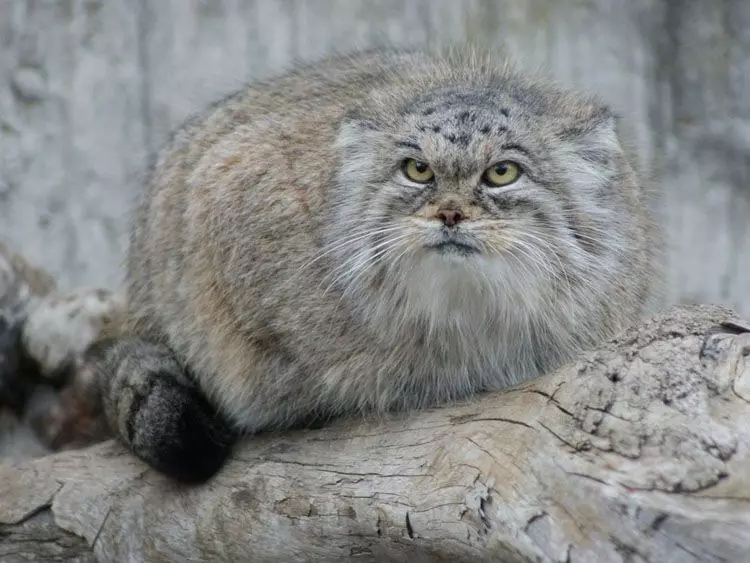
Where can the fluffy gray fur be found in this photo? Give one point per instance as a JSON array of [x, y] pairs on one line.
[[283, 260]]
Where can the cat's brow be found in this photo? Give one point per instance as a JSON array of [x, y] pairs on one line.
[[516, 147], [409, 144]]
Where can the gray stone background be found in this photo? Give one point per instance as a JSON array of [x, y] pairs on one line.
[[89, 89]]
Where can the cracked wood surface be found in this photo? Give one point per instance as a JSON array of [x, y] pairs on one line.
[[638, 451]]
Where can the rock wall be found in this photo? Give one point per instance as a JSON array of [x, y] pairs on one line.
[[90, 88]]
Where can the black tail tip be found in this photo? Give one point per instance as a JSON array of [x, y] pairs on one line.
[[194, 459], [180, 434]]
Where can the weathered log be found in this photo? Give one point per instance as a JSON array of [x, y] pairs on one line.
[[636, 452]]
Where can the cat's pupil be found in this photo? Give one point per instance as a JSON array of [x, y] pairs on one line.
[[501, 169], [421, 167]]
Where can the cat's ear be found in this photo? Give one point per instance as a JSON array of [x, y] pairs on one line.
[[594, 136], [592, 153]]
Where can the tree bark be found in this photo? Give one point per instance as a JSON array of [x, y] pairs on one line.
[[637, 451]]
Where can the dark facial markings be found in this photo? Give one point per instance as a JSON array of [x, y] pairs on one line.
[[409, 145], [411, 199], [516, 147], [506, 204], [453, 247], [576, 226], [467, 117], [459, 130], [463, 114]]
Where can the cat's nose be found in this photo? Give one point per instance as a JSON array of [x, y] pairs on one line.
[[450, 216]]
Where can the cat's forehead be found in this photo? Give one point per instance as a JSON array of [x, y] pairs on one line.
[[452, 104], [458, 127], [460, 115], [497, 100], [458, 119]]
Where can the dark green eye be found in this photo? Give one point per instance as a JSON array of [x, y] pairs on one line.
[[418, 171], [502, 174]]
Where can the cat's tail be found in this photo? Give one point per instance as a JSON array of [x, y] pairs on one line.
[[153, 406]]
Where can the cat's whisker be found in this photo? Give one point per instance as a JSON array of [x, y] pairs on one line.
[[364, 251], [357, 255], [350, 240], [358, 265]]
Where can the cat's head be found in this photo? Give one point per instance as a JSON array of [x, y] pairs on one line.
[[461, 189]]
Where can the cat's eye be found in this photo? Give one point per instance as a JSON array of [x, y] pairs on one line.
[[417, 171], [502, 174]]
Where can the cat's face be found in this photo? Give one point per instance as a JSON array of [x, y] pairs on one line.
[[478, 190]]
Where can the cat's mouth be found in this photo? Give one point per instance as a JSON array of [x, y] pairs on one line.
[[450, 246]]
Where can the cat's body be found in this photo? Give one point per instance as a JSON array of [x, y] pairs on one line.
[[283, 254]]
